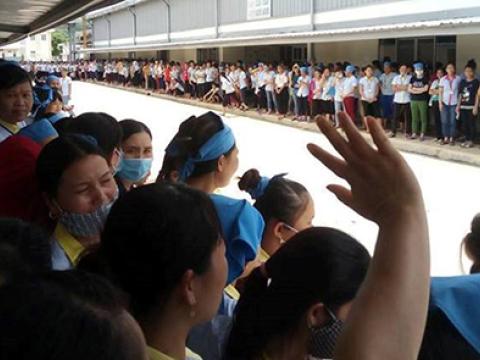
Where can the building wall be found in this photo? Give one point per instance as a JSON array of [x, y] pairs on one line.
[[100, 26], [468, 47], [151, 18], [192, 14], [357, 52], [327, 5], [183, 55], [232, 54]]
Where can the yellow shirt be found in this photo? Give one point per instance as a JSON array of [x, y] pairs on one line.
[[72, 247], [263, 256], [13, 128], [232, 292], [154, 354]]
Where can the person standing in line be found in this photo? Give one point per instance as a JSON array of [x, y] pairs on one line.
[[281, 90], [269, 90], [339, 80], [434, 104], [327, 106], [418, 90], [468, 104], [66, 86], [243, 86], [369, 91], [386, 98], [448, 103], [302, 93], [192, 79], [293, 87], [401, 102], [200, 76], [209, 76], [260, 90], [349, 98], [316, 84]]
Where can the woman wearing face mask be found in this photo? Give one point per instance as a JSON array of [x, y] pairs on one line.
[[16, 99], [418, 89], [175, 270], [137, 155], [78, 185], [316, 275], [286, 207]]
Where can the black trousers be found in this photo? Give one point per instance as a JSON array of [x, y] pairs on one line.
[[436, 116], [402, 113], [282, 101]]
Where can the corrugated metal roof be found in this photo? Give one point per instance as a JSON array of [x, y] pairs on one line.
[[305, 36], [21, 17]]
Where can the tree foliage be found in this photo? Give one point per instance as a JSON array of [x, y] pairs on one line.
[[59, 36]]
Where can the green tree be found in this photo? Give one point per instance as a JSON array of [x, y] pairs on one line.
[[59, 36]]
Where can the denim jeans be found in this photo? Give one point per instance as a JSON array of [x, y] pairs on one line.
[[294, 100], [271, 101], [338, 107], [448, 120]]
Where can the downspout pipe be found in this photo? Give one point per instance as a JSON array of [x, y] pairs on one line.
[[131, 9], [169, 22], [312, 15], [109, 27]]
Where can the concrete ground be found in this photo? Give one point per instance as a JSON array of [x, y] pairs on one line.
[[451, 188]]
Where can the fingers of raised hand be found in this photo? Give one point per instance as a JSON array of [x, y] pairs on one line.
[[338, 142], [343, 194], [357, 143], [380, 139], [336, 165]]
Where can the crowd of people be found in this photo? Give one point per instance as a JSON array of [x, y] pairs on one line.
[[97, 263], [421, 98]]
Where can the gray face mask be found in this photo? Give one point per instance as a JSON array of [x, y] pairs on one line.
[[324, 339], [86, 225]]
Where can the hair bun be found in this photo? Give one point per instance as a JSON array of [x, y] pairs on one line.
[[249, 180]]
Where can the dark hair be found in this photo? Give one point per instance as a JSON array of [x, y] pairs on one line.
[[65, 315], [24, 249], [471, 244], [56, 95], [131, 127], [471, 64], [58, 155], [442, 341], [153, 235], [317, 265], [191, 135], [367, 67], [283, 199], [103, 127], [12, 75]]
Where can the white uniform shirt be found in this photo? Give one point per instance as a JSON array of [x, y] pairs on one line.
[[242, 79], [349, 85], [402, 97], [227, 84], [339, 88], [65, 83], [327, 89], [281, 80], [450, 89], [269, 80], [304, 86], [369, 87]]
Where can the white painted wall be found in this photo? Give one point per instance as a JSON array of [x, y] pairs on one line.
[[468, 47], [357, 52]]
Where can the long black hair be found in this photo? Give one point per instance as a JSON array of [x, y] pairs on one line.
[[153, 235], [471, 244], [131, 127], [191, 135], [317, 265]]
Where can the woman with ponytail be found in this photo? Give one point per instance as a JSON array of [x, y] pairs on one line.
[[286, 207], [315, 276]]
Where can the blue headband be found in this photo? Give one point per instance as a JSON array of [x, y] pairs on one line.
[[262, 185], [52, 78], [259, 190], [457, 297], [418, 66], [350, 68], [218, 145], [58, 116], [39, 131]]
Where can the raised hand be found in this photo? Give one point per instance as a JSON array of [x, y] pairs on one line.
[[381, 181]]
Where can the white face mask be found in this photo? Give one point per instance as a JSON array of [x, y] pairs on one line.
[[419, 73]]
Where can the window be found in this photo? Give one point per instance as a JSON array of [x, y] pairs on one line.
[[32, 37], [259, 9], [44, 37]]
